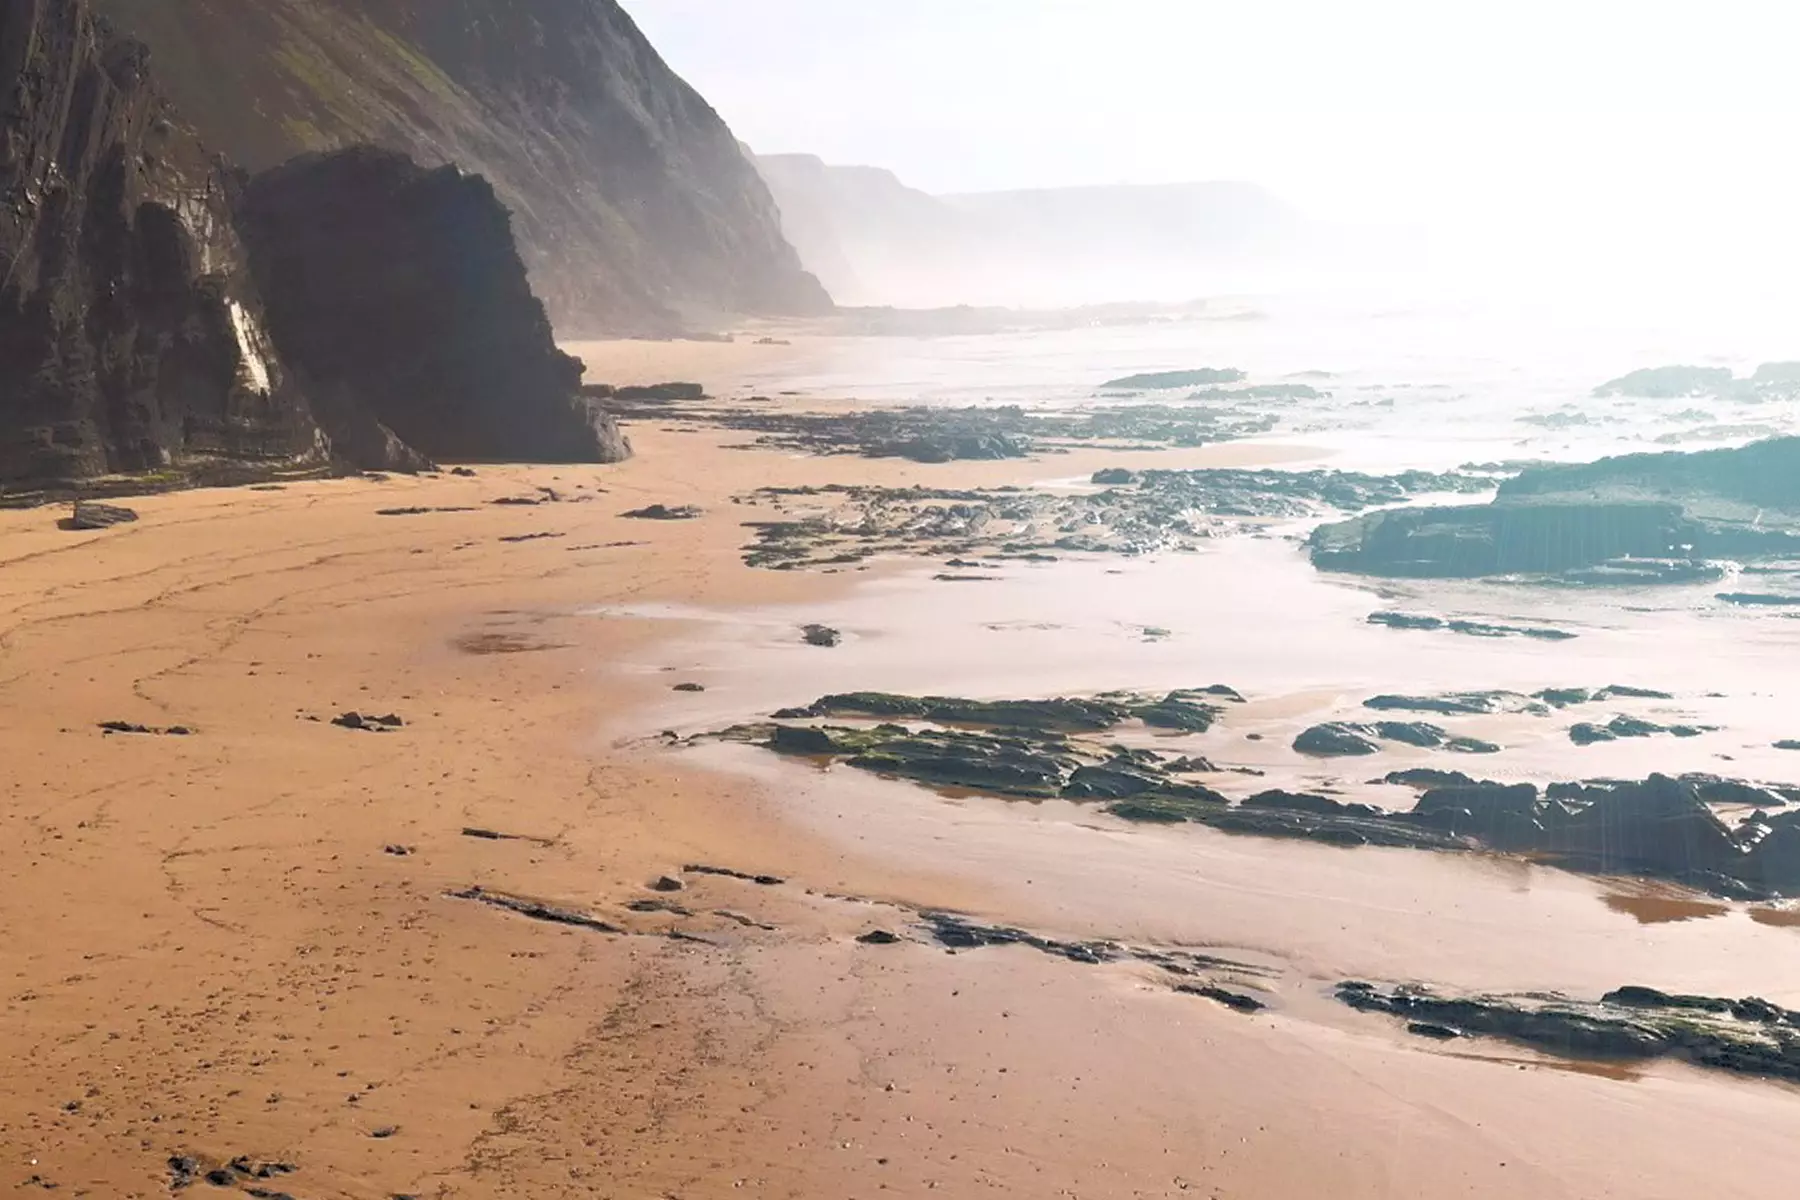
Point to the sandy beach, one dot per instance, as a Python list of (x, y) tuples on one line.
[(277, 938)]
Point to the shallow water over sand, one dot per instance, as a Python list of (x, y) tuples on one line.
[(1251, 612)]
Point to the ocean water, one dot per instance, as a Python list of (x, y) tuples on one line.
[(1413, 383)]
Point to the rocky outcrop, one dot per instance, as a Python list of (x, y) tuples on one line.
[(131, 337), (634, 205), (1638, 518), (396, 294)]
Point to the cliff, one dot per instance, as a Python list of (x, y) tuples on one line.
[(135, 341), (396, 295), (634, 206), (131, 338), (874, 240)]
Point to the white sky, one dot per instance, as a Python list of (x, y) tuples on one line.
[(1613, 128)]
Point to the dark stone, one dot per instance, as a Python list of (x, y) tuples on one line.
[(1336, 740), (664, 512), (689, 687), (537, 910), (91, 515), (368, 724), (1115, 476), (666, 883), (801, 739), (879, 937), (1441, 1033), (395, 293), (821, 635)]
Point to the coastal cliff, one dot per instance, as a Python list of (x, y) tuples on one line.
[(131, 337), (635, 208), (137, 350)]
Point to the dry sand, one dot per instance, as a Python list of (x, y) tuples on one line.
[(209, 945)]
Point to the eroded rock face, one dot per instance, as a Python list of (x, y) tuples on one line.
[(396, 294), (634, 204), (131, 336)]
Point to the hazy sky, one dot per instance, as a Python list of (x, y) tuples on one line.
[(1621, 120)]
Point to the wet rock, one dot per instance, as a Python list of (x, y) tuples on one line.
[(368, 724), (89, 514), (536, 910), (1787, 744), (1630, 1024), (128, 727), (1155, 380), (1430, 1029), (1236, 1001), (1587, 733), (802, 740), (1115, 476), (1631, 519), (879, 937), (666, 883), (663, 512), (732, 873), (960, 933), (1304, 802), (689, 687), (1455, 703), (1426, 778), (1422, 621), (1337, 739), (821, 635)]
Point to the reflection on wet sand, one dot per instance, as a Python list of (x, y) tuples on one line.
[(1657, 908)]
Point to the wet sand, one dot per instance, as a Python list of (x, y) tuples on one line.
[(210, 949)]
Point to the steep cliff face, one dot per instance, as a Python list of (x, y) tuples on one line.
[(396, 295), (131, 339), (633, 204)]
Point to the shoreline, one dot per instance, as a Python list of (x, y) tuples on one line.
[(219, 953)]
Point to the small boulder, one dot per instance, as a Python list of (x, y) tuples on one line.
[(90, 515)]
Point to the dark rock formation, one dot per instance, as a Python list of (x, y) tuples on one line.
[(396, 292), (633, 201), (1746, 1037), (1634, 519), (91, 515), (131, 337)]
